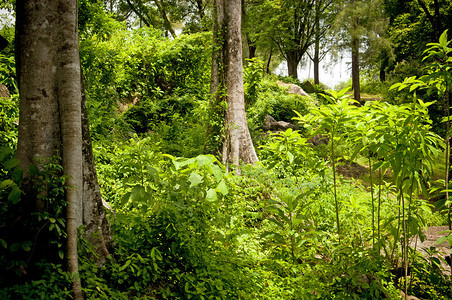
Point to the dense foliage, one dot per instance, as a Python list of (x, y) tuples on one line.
[(331, 211)]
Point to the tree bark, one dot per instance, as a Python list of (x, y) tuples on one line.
[(51, 119), (292, 64), (355, 66), (166, 21), (237, 145), (316, 61)]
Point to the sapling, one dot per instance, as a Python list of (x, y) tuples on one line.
[(331, 120)]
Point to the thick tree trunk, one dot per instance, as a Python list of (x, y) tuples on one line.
[(237, 146), (48, 70)]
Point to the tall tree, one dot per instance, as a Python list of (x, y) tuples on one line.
[(359, 26), (53, 119), (324, 16), (227, 83), (289, 24)]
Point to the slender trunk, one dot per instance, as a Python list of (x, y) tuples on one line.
[(316, 62), (292, 64), (251, 48), (269, 60), (355, 69), (139, 14), (382, 75), (164, 16), (316, 59)]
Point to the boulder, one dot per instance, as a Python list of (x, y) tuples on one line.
[(273, 125), (293, 88)]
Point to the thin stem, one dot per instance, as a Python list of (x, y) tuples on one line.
[(379, 208), (405, 250), (373, 201), (333, 160)]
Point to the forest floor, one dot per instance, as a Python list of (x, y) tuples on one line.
[(432, 234)]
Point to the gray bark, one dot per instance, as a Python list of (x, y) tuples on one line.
[(238, 146), (48, 70)]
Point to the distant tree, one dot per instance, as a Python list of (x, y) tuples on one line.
[(324, 16), (227, 83), (53, 119), (413, 23), (288, 24), (360, 25), (190, 15)]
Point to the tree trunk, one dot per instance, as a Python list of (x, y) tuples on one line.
[(316, 61), (355, 69), (292, 64), (251, 48), (237, 145), (51, 119), (166, 21)]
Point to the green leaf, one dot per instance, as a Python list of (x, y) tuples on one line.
[(137, 194), (195, 179), (11, 163), (222, 188), (125, 265), (27, 246), (4, 244), (14, 195), (6, 184), (217, 172), (61, 254), (125, 198), (204, 160), (443, 39), (211, 195)]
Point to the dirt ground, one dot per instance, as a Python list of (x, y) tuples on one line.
[(432, 235)]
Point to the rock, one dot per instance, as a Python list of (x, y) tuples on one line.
[(293, 88), (318, 139), (4, 93), (408, 297), (308, 87), (273, 125)]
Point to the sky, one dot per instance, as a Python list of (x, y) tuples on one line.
[(331, 72)]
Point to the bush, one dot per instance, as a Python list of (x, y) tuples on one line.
[(275, 101)]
